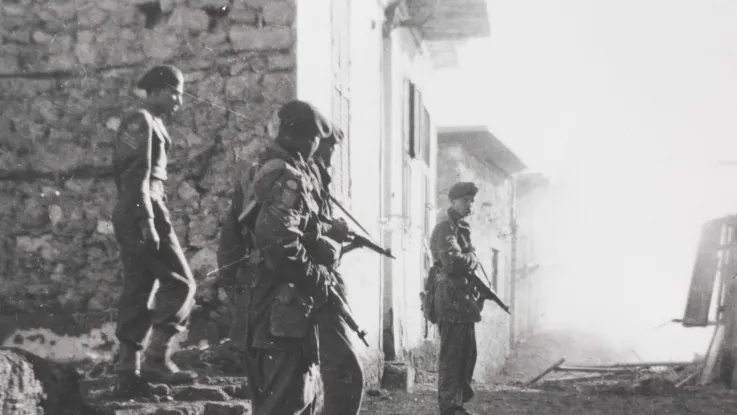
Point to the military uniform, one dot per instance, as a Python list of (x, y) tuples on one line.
[(158, 288), (341, 370), (457, 306), (293, 278)]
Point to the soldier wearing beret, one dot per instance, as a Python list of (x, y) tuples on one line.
[(294, 276), (340, 367), (158, 288), (456, 302)]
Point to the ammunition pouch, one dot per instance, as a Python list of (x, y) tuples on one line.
[(290, 313), (249, 271), (427, 297)]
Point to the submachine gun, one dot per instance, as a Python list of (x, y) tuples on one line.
[(485, 291), (355, 241)]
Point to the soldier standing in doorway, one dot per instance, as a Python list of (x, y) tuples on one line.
[(294, 277), (341, 370), (158, 287), (457, 304)]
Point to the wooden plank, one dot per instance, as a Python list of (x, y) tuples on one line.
[(552, 367), (637, 364), (687, 379), (592, 369), (712, 355), (703, 276), (729, 351)]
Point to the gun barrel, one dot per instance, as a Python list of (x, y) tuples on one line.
[(347, 316), (365, 242)]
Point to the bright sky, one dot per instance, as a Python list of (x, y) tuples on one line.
[(629, 106)]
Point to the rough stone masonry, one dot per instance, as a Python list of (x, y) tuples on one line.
[(66, 72)]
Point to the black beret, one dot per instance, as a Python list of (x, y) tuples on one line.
[(301, 118), (462, 189), (161, 76)]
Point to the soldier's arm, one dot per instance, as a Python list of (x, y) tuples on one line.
[(134, 150), (277, 232), (448, 250)]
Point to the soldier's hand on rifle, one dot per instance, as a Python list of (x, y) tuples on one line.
[(339, 230), (324, 251), (150, 236)]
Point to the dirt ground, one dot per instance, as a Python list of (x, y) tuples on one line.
[(643, 392), (502, 400)]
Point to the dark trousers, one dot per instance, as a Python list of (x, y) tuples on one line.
[(158, 286), (283, 382), (342, 375), (456, 363)]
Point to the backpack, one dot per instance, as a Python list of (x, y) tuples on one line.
[(428, 296)]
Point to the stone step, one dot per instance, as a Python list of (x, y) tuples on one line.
[(212, 395), (236, 407)]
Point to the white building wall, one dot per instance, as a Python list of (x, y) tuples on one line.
[(409, 61), (378, 290), (361, 269)]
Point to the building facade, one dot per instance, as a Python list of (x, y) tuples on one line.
[(533, 215)]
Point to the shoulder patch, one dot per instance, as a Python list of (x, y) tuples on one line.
[(135, 126), (130, 141), (276, 176)]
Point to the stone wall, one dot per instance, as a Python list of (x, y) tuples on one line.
[(66, 71), (490, 229)]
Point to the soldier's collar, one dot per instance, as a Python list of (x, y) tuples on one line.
[(457, 219)]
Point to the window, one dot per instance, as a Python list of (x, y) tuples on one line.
[(417, 137), (341, 104), (417, 125)]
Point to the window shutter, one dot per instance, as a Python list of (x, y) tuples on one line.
[(341, 107)]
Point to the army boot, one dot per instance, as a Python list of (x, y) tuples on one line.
[(130, 383), (159, 368)]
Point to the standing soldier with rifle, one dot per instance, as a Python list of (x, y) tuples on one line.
[(341, 370), (294, 276), (455, 300)]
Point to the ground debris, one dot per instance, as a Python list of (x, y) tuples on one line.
[(635, 380)]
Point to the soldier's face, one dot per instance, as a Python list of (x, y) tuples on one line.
[(170, 99), (325, 152), (306, 146), (464, 205)]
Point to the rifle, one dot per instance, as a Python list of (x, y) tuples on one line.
[(485, 291), (343, 311), (356, 241)]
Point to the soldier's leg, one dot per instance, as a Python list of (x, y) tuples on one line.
[(470, 365), (341, 370), (452, 366), (134, 322), (172, 306), (283, 382)]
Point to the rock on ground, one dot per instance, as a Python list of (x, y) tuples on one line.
[(31, 385)]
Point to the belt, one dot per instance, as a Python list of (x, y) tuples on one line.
[(156, 190)]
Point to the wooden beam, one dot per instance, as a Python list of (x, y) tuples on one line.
[(638, 364), (552, 367), (592, 369)]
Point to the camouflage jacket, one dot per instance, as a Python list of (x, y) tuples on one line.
[(453, 253)]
